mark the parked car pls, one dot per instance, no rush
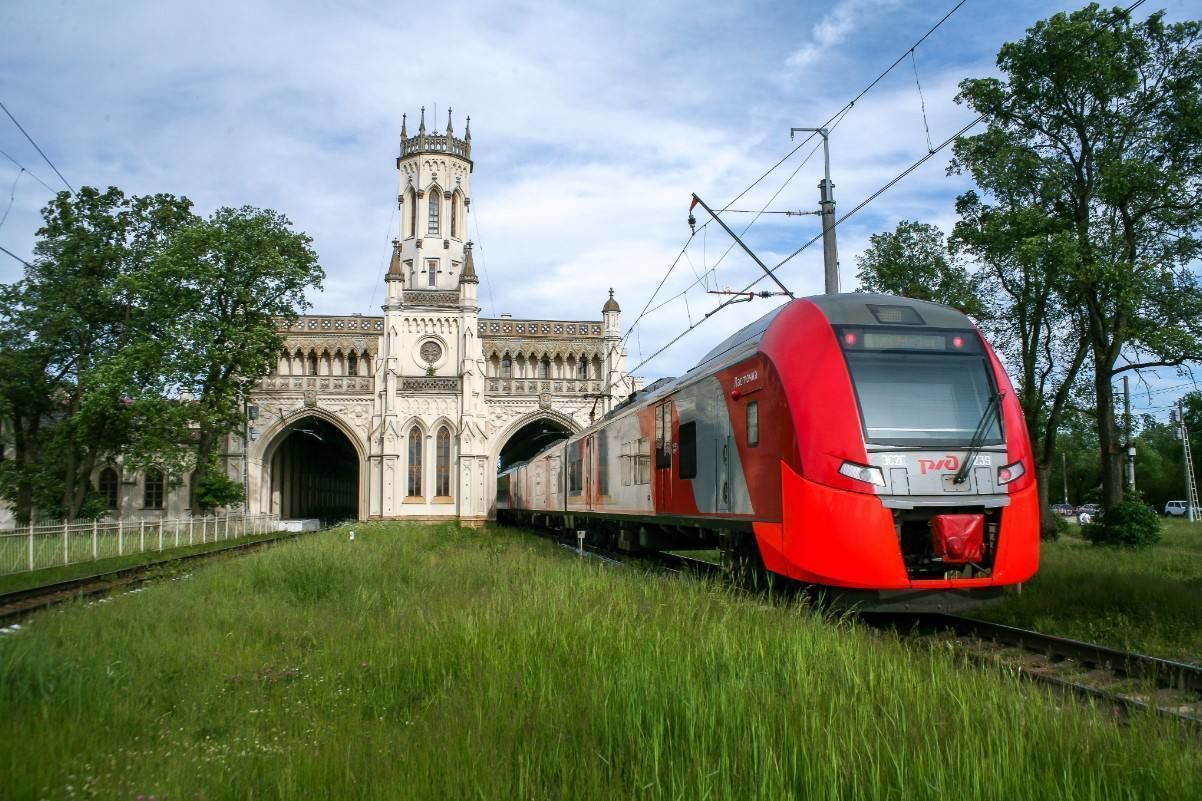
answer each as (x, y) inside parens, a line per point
(1063, 509)
(1091, 509)
(1178, 509)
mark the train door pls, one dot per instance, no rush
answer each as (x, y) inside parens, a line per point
(664, 448)
(723, 444)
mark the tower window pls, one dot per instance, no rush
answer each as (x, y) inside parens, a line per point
(506, 367)
(352, 365)
(442, 461)
(582, 369)
(312, 364)
(412, 201)
(455, 217)
(432, 272)
(434, 205)
(415, 462)
(544, 368)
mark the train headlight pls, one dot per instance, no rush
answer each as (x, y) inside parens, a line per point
(865, 473)
(1010, 473)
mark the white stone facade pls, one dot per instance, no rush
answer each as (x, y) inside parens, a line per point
(428, 393)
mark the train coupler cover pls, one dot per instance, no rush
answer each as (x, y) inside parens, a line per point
(958, 539)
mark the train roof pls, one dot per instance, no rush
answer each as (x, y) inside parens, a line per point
(848, 308)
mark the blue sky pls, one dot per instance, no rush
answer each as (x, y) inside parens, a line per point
(592, 124)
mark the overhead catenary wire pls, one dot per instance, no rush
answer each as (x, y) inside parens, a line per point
(837, 115)
(888, 185)
(41, 152)
(12, 195)
(15, 256)
(30, 172)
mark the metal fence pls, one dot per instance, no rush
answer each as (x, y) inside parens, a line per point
(57, 544)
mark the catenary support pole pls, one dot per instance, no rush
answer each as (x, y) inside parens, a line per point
(826, 202)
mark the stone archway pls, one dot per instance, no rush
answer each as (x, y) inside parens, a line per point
(312, 466)
(531, 432)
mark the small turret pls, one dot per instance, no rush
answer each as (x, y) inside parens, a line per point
(450, 132)
(610, 313)
(469, 266)
(611, 305)
(394, 266)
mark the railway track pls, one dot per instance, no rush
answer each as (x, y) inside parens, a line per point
(16, 605)
(1126, 681)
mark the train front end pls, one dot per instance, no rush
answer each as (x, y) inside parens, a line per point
(913, 469)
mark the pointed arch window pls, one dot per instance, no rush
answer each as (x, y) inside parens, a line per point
(152, 489)
(415, 462)
(582, 368)
(442, 463)
(352, 364)
(106, 485)
(411, 199)
(434, 204)
(506, 367)
(544, 368)
(312, 364)
(455, 217)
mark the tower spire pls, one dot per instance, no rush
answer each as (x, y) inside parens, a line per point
(421, 129)
(448, 121)
(403, 133)
(467, 134)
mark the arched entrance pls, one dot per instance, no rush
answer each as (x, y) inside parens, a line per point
(315, 472)
(530, 439)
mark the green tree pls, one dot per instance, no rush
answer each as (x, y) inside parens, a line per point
(913, 261)
(1018, 250)
(1104, 117)
(227, 284)
(76, 323)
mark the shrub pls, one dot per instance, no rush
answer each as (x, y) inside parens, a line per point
(1059, 527)
(1131, 524)
(217, 490)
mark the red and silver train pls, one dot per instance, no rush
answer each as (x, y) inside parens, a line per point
(855, 441)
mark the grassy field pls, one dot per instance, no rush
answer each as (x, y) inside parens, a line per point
(429, 663)
(1148, 600)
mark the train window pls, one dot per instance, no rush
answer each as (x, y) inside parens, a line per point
(688, 450)
(663, 436)
(753, 424)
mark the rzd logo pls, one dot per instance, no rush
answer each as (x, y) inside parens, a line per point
(946, 463)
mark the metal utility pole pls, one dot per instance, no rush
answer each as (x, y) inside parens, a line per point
(826, 202)
(1127, 433)
(1064, 470)
(1191, 487)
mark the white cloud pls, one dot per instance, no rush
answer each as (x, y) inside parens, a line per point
(591, 127)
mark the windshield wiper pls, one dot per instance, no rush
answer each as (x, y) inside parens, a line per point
(978, 437)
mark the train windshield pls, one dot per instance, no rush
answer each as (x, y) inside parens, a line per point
(924, 399)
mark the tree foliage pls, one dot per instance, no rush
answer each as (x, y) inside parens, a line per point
(913, 261)
(135, 333)
(1096, 126)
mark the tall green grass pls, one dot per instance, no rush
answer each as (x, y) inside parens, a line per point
(428, 663)
(1147, 600)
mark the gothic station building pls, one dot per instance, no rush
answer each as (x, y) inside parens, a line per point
(408, 414)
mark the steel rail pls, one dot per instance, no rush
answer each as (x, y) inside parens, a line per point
(1128, 679)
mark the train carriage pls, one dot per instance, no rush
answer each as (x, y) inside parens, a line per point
(864, 442)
